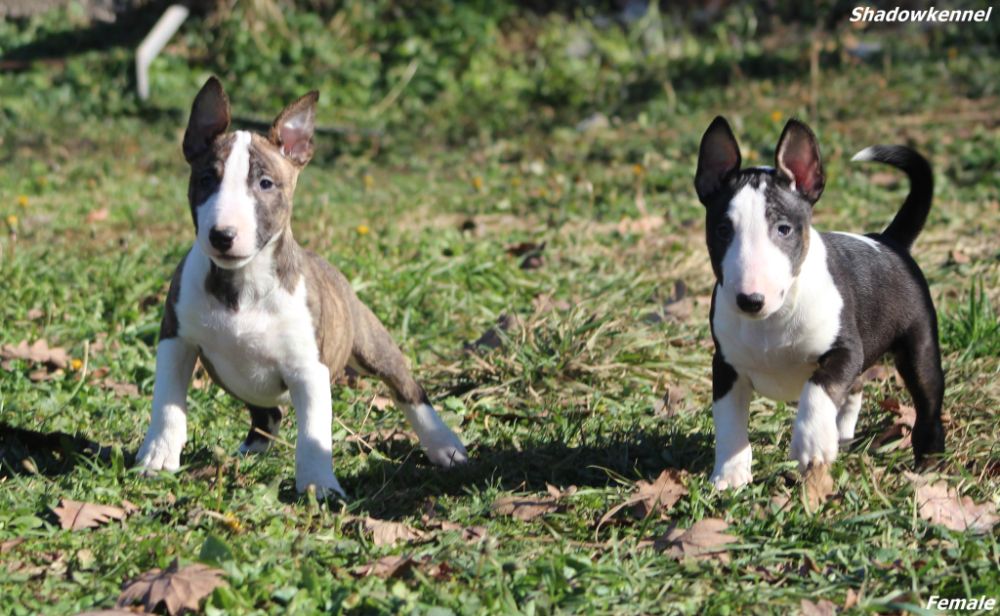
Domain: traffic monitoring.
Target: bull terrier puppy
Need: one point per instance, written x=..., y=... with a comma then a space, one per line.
x=798, y=314
x=271, y=322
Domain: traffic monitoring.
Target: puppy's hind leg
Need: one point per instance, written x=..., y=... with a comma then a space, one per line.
x=264, y=425
x=375, y=353
x=918, y=360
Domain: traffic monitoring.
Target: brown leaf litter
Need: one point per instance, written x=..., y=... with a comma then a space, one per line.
x=76, y=515
x=525, y=508
x=388, y=533
x=817, y=486
x=941, y=504
x=649, y=497
x=177, y=588
x=52, y=359
x=705, y=540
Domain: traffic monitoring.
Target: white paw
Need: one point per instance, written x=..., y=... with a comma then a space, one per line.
x=317, y=471
x=814, y=443
x=735, y=473
x=815, y=436
x=326, y=487
x=257, y=446
x=158, y=453
x=448, y=452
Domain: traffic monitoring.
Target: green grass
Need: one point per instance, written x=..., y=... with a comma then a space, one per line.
x=568, y=400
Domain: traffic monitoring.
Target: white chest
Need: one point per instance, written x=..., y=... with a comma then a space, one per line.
x=780, y=353
x=254, y=349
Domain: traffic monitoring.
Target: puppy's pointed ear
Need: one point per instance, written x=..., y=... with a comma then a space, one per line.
x=209, y=119
x=292, y=130
x=718, y=156
x=797, y=160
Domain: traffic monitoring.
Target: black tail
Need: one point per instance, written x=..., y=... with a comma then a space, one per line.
x=906, y=226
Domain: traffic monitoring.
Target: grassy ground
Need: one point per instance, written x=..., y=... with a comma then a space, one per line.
x=571, y=397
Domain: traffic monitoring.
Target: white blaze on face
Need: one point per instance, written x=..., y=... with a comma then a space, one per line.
x=232, y=206
x=752, y=263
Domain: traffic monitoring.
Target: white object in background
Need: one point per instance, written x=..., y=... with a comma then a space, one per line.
x=154, y=42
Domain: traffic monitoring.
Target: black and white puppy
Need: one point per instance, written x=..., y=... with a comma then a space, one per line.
x=273, y=323
x=798, y=314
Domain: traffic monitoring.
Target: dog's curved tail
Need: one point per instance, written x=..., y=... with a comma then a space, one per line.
x=910, y=218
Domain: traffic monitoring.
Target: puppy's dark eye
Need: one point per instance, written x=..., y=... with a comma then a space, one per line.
x=206, y=180
x=784, y=230
x=266, y=183
x=724, y=231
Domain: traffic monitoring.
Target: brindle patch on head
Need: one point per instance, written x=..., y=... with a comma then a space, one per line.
x=206, y=173
x=273, y=203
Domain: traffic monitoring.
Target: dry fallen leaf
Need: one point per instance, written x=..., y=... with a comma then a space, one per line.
x=386, y=533
x=39, y=353
x=35, y=313
x=543, y=304
x=10, y=544
x=660, y=495
x=386, y=435
x=851, y=599
x=885, y=179
x=531, y=252
x=878, y=372
x=471, y=534
x=177, y=588
x=780, y=500
x=678, y=307
x=821, y=608
x=941, y=504
x=671, y=403
x=525, y=507
x=386, y=567
x=491, y=338
x=119, y=389
x=557, y=492
x=958, y=257
x=523, y=248
x=74, y=515
x=641, y=225
x=380, y=403
x=98, y=215
x=817, y=486
x=902, y=424
x=704, y=540
x=37, y=376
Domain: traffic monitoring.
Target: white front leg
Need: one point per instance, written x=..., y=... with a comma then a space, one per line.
x=815, y=434
x=310, y=393
x=161, y=449
x=731, y=414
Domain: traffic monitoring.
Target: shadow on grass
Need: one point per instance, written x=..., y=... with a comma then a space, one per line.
x=391, y=489
x=24, y=451
x=398, y=484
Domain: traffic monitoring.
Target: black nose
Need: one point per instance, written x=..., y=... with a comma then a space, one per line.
x=221, y=238
x=750, y=303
